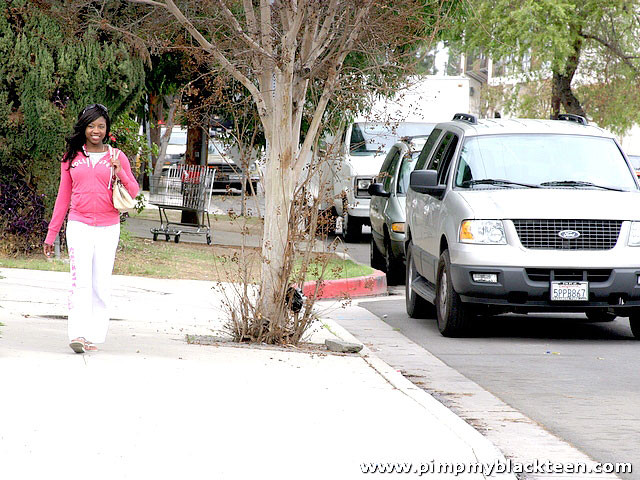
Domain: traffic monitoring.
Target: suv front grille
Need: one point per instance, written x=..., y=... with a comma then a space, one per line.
x=543, y=234
x=568, y=274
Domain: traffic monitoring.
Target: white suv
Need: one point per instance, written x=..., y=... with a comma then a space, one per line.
x=520, y=216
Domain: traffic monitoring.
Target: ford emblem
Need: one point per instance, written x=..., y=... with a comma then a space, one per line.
x=568, y=234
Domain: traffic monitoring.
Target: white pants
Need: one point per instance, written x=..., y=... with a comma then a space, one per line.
x=92, y=251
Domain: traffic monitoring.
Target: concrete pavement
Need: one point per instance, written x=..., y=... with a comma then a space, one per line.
x=150, y=405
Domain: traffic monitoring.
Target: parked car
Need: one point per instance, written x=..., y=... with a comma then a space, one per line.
x=227, y=162
x=387, y=208
x=177, y=146
x=635, y=162
x=224, y=158
x=520, y=216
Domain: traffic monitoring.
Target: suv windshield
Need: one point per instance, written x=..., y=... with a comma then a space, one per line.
x=372, y=138
x=557, y=160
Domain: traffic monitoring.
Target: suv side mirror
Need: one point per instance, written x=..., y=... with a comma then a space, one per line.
x=376, y=189
x=426, y=181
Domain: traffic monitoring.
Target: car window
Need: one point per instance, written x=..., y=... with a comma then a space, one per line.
x=444, y=153
x=408, y=164
x=540, y=158
x=385, y=165
x=424, y=154
x=389, y=172
x=445, y=163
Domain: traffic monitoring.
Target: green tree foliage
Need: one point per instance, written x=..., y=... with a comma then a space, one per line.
x=48, y=73
x=588, y=48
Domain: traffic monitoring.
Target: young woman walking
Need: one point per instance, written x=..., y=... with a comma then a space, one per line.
x=93, y=227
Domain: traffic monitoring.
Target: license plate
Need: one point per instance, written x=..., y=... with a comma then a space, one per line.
x=569, y=291
x=235, y=177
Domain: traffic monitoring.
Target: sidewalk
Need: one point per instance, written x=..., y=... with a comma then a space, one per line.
x=151, y=406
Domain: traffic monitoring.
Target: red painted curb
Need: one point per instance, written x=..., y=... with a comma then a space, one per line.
x=374, y=284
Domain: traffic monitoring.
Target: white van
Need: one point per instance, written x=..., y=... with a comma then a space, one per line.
x=362, y=145
x=363, y=148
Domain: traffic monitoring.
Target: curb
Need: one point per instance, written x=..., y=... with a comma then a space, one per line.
x=484, y=450
x=374, y=284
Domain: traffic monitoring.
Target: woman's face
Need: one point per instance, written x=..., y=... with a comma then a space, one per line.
x=96, y=131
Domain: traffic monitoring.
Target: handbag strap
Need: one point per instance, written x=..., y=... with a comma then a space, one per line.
x=112, y=152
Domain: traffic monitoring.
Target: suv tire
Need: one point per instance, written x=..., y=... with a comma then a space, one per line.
x=634, y=323
x=453, y=315
x=600, y=316
x=417, y=307
x=376, y=258
x=393, y=265
x=351, y=228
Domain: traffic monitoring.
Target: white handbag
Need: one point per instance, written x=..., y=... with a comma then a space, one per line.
x=122, y=200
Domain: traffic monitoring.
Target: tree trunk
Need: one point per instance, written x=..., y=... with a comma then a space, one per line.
x=155, y=116
x=555, y=96
x=163, y=142
x=561, y=92
x=193, y=157
x=280, y=183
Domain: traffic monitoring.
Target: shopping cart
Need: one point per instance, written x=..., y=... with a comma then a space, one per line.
x=186, y=188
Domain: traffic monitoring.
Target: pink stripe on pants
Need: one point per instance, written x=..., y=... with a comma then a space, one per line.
x=92, y=252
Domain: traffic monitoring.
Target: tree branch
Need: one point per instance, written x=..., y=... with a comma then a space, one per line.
x=252, y=23
x=330, y=83
x=265, y=25
x=328, y=20
x=209, y=47
x=626, y=59
x=238, y=28
x=149, y=2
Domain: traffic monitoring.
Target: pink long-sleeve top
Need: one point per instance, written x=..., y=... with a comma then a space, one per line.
x=84, y=192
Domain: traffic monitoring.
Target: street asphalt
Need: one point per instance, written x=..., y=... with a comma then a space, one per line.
x=579, y=380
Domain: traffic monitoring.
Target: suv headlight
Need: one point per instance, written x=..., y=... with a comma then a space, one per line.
x=634, y=235
x=486, y=232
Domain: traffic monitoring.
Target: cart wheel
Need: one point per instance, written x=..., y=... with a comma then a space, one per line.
x=167, y=237
x=177, y=239
x=155, y=237
x=208, y=239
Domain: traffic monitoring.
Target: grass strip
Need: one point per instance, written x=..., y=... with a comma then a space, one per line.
x=145, y=258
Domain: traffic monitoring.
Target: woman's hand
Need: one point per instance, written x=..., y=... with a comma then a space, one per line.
x=48, y=249
x=115, y=162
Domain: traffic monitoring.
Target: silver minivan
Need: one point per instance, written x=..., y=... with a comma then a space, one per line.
x=387, y=207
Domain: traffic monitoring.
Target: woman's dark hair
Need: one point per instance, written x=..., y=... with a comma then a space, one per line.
x=77, y=139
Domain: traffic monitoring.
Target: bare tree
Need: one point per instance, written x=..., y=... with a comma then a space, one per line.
x=278, y=50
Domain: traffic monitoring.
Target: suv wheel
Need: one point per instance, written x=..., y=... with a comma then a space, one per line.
x=453, y=315
x=351, y=228
x=393, y=265
x=377, y=260
x=417, y=307
x=634, y=323
x=600, y=316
